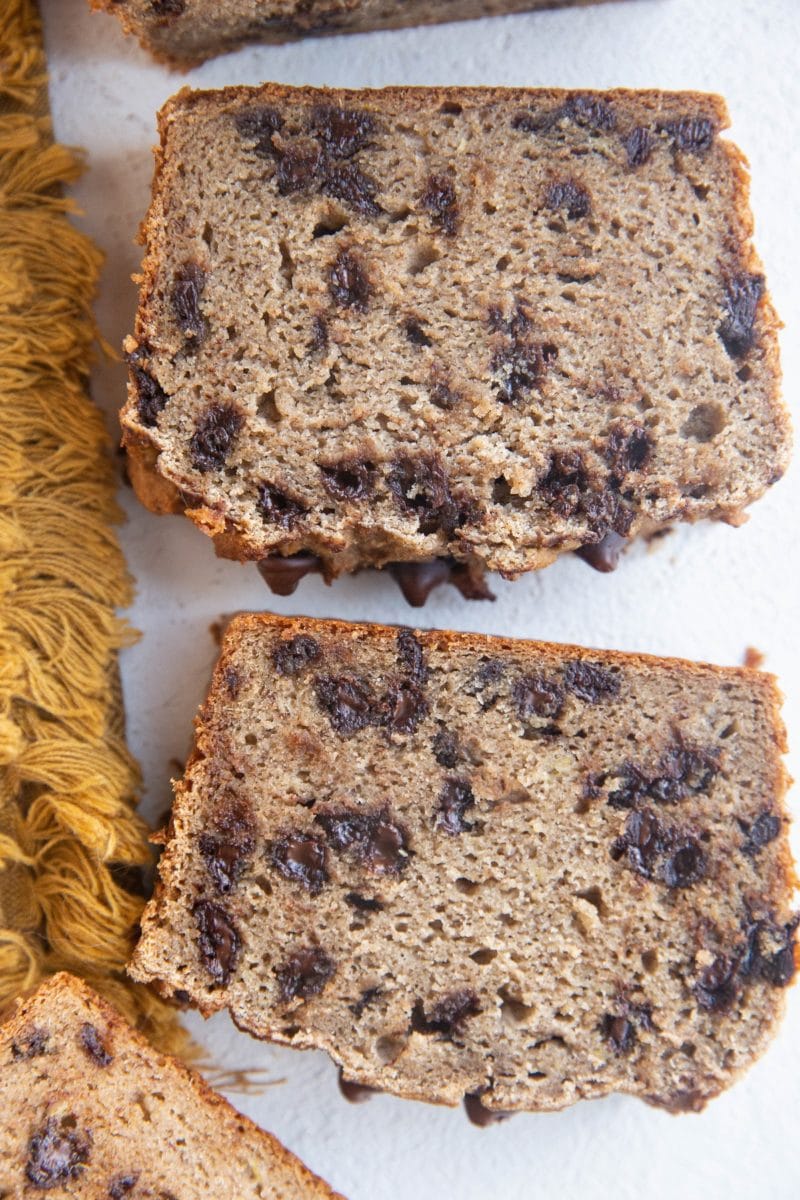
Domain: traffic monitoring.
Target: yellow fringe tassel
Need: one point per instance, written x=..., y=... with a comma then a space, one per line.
x=70, y=841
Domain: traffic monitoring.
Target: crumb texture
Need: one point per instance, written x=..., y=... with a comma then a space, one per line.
x=187, y=31
x=485, y=325
x=88, y=1108
x=522, y=873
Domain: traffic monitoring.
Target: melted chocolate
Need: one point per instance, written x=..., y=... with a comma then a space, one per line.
x=481, y=1116
x=417, y=580
x=604, y=555
x=282, y=575
x=356, y=1093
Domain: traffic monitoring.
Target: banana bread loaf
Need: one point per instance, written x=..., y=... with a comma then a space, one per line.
x=186, y=32
x=483, y=325
x=468, y=865
x=88, y=1108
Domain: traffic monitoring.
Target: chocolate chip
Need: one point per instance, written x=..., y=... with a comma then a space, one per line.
x=278, y=507
x=258, y=125
x=695, y=135
x=564, y=482
x=479, y=1115
x=168, y=8
x=440, y=200
x=571, y=196
x=769, y=952
x=213, y=437
x=641, y=842
x=519, y=362
x=57, y=1152
x=283, y=573
x=446, y=749
x=448, y=1016
x=319, y=333
x=372, y=836
x=685, y=866
x=349, y=702
x=363, y=903
x=421, y=489
x=301, y=858
x=619, y=1032
x=590, y=111
x=92, y=1043
x=342, y=131
x=233, y=682
x=415, y=332
x=350, y=479
x=187, y=288
x=292, y=656
x=454, y=799
x=304, y=973
x=31, y=1045
x=627, y=450
x=742, y=295
x=417, y=580
x=604, y=555
x=682, y=770
x=411, y=656
x=218, y=941
x=536, y=695
x=151, y=398
x=355, y=1093
x=299, y=165
x=354, y=187
x=348, y=281
x=367, y=997
x=442, y=394
x=405, y=707
x=121, y=1185
x=764, y=830
x=590, y=682
x=227, y=850
x=716, y=988
x=638, y=146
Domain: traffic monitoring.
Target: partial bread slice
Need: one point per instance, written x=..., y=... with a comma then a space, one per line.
x=88, y=1108
x=186, y=32
x=490, y=325
x=472, y=865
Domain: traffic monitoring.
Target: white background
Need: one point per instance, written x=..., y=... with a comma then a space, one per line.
x=706, y=592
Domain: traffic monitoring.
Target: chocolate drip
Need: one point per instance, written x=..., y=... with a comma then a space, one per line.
x=604, y=555
x=481, y=1116
x=356, y=1093
x=417, y=580
x=282, y=575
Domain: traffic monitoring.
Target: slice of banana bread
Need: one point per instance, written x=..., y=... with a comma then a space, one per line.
x=186, y=32
x=484, y=325
x=469, y=865
x=88, y=1108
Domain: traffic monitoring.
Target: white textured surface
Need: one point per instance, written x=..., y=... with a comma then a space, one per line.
x=704, y=593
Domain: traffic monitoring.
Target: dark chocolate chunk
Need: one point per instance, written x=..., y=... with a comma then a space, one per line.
x=763, y=830
x=519, y=362
x=619, y=1032
x=304, y=973
x=590, y=682
x=411, y=656
x=122, y=1185
x=93, y=1044
x=627, y=450
x=349, y=479
x=446, y=749
x=218, y=940
x=641, y=842
x=342, y=131
x=348, y=281
x=278, y=507
x=187, y=289
x=769, y=951
x=685, y=865
x=151, y=398
x=31, y=1045
x=742, y=295
x=440, y=200
x=638, y=145
x=356, y=1093
x=442, y=394
x=57, y=1153
x=354, y=187
x=604, y=555
x=319, y=333
x=258, y=125
x=168, y=8
x=282, y=574
x=417, y=580
x=590, y=111
x=363, y=903
x=479, y=1115
x=454, y=799
x=569, y=195
x=226, y=852
x=213, y=437
x=448, y=1016
x=299, y=166
x=292, y=656
x=372, y=836
x=694, y=135
x=415, y=332
x=301, y=858
x=716, y=988
x=682, y=770
x=349, y=702
x=367, y=997
x=421, y=488
x=535, y=695
x=405, y=707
